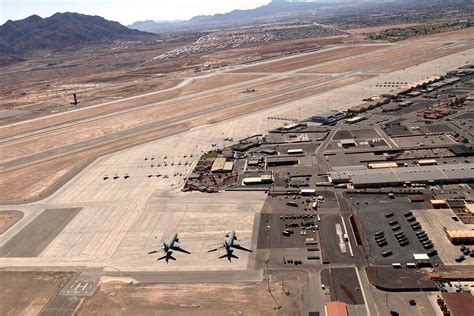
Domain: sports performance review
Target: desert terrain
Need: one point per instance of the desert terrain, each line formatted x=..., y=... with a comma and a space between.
x=287, y=291
x=133, y=208
x=44, y=151
x=98, y=185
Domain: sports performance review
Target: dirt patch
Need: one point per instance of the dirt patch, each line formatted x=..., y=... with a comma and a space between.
x=36, y=181
x=27, y=293
x=201, y=299
x=8, y=219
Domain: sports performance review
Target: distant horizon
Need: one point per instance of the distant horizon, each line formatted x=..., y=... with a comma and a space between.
x=122, y=11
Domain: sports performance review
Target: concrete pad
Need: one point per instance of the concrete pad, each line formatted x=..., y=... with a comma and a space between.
x=129, y=231
x=36, y=236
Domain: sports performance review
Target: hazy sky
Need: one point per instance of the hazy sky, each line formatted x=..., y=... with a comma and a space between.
x=124, y=11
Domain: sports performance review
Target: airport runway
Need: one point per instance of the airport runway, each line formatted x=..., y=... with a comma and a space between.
x=119, y=219
x=49, y=144
x=137, y=130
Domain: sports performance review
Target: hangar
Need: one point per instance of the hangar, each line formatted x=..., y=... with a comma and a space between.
x=452, y=173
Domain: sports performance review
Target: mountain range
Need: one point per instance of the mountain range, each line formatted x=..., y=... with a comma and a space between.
x=61, y=30
x=276, y=9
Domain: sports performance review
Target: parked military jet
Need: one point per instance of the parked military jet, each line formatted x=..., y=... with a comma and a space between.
x=230, y=245
x=168, y=247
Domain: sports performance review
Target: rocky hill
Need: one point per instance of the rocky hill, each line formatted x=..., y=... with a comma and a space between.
x=61, y=30
x=275, y=10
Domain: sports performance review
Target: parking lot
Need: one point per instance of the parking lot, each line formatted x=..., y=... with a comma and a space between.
x=290, y=223
x=297, y=204
x=297, y=228
x=433, y=221
x=385, y=223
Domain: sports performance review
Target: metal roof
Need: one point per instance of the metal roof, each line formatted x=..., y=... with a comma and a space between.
x=218, y=164
x=453, y=172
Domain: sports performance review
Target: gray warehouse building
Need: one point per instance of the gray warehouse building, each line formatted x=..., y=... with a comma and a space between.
x=328, y=117
x=363, y=178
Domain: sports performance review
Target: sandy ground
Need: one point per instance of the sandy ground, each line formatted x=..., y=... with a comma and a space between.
x=44, y=84
x=201, y=299
x=122, y=217
x=27, y=293
x=8, y=219
x=184, y=88
x=35, y=156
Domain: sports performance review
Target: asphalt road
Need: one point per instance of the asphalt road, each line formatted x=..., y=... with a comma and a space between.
x=38, y=234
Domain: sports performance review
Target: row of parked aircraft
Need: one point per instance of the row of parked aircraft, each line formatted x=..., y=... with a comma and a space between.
x=230, y=244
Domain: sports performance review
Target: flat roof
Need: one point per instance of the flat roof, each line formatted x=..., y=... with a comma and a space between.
x=352, y=167
x=427, y=161
x=421, y=256
x=355, y=119
x=347, y=141
x=453, y=172
x=470, y=207
x=459, y=304
x=416, y=197
x=291, y=126
x=336, y=309
x=462, y=150
x=252, y=180
x=218, y=164
x=438, y=202
x=375, y=165
x=328, y=114
x=460, y=233
x=228, y=166
x=282, y=158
